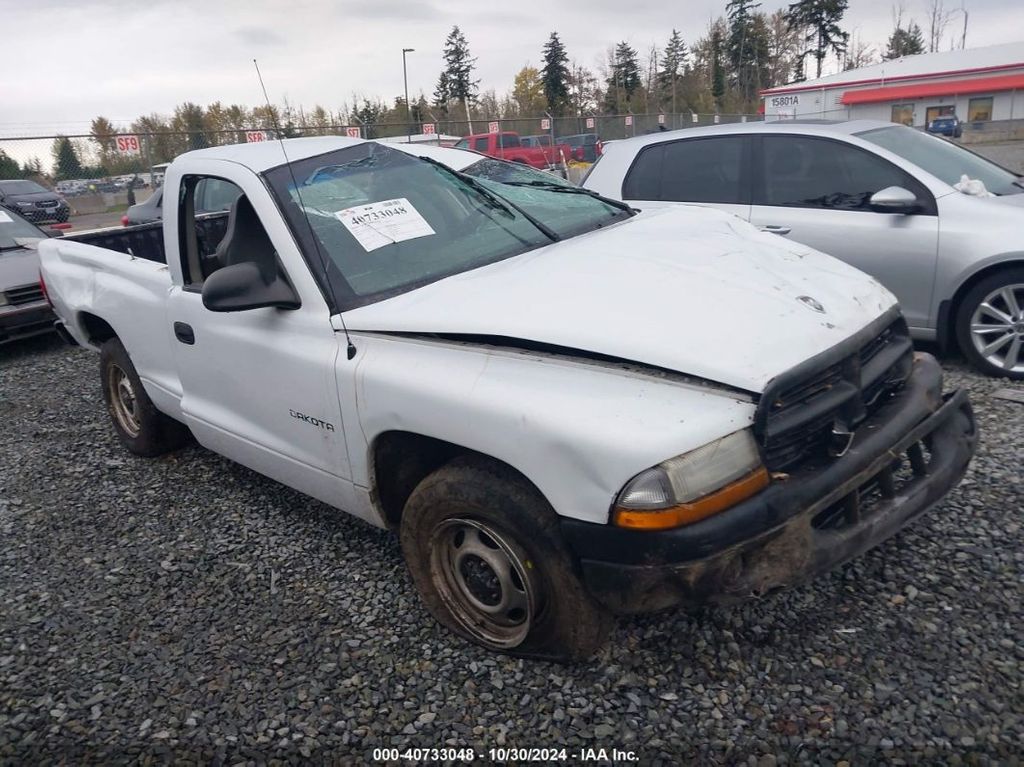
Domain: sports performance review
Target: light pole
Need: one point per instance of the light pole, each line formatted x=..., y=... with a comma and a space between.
x=405, y=80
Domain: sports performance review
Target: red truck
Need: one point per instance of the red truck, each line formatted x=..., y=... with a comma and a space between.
x=508, y=146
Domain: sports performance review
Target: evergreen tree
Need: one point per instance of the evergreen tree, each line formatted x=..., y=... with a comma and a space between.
x=555, y=74
x=623, y=78
x=9, y=166
x=819, y=21
x=66, y=164
x=458, y=70
x=441, y=95
x=905, y=42
x=747, y=47
x=717, y=68
x=368, y=115
x=673, y=65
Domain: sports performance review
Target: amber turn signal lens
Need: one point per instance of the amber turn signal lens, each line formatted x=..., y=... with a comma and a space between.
x=694, y=511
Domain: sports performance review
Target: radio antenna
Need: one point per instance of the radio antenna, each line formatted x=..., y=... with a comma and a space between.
x=351, y=347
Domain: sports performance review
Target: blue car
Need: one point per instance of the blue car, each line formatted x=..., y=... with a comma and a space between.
x=947, y=125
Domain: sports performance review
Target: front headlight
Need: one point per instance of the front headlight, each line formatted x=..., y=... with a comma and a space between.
x=693, y=486
x=25, y=204
x=3, y=299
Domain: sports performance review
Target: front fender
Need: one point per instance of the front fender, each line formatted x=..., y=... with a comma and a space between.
x=577, y=429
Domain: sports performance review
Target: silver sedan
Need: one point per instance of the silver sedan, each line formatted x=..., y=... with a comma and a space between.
x=940, y=226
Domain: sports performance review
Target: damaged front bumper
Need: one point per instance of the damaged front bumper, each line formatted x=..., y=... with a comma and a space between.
x=904, y=459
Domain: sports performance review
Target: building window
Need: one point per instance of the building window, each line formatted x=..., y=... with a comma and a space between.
x=903, y=114
x=979, y=109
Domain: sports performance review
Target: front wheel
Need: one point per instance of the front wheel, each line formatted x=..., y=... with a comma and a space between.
x=990, y=324
x=486, y=555
x=142, y=428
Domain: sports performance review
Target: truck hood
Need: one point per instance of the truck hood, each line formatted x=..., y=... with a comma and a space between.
x=687, y=289
x=18, y=267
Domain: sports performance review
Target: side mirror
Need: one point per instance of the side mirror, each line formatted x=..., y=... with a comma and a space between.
x=894, y=199
x=240, y=287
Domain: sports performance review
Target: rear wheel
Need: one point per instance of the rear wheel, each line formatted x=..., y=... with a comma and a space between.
x=990, y=324
x=486, y=555
x=142, y=428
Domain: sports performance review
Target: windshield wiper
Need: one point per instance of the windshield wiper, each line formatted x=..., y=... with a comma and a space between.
x=494, y=199
x=553, y=186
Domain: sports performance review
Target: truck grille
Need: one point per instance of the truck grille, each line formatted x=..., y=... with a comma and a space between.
x=26, y=294
x=810, y=414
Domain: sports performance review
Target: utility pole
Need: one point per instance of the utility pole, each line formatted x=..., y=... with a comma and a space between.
x=405, y=81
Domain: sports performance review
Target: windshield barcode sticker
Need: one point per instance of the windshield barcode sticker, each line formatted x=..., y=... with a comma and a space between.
x=384, y=223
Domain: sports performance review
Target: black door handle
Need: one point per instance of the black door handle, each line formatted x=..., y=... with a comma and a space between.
x=184, y=333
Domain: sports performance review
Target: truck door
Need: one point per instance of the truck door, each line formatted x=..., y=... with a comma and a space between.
x=258, y=386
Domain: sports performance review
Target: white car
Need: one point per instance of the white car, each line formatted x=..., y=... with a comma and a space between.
x=534, y=386
x=884, y=198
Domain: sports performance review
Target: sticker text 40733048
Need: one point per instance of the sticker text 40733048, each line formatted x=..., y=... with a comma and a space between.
x=384, y=223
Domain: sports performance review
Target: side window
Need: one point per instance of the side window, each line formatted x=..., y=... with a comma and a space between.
x=692, y=170
x=215, y=194
x=464, y=144
x=202, y=230
x=807, y=172
x=480, y=144
x=643, y=181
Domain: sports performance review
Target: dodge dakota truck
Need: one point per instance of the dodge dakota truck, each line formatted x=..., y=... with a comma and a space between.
x=566, y=408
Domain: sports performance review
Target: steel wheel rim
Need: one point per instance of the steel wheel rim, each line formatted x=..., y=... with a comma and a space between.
x=123, y=402
x=997, y=328
x=484, y=581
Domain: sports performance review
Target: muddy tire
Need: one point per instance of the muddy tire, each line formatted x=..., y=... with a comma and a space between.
x=990, y=324
x=486, y=554
x=142, y=428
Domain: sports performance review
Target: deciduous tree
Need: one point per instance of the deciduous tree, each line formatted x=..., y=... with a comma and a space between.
x=528, y=92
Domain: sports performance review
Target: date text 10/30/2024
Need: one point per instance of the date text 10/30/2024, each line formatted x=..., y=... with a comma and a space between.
x=503, y=754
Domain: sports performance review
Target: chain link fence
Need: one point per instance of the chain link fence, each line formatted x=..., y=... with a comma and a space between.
x=103, y=175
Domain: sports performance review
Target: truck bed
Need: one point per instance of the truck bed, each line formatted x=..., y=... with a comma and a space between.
x=146, y=241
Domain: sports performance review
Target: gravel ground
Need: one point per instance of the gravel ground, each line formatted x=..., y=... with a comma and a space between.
x=187, y=609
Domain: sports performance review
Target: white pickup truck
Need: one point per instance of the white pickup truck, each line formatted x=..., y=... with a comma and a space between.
x=567, y=408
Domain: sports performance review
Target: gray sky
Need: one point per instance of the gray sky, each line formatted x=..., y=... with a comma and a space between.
x=67, y=61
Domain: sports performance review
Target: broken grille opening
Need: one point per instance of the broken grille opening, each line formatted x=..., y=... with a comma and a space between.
x=800, y=414
x=24, y=295
x=892, y=481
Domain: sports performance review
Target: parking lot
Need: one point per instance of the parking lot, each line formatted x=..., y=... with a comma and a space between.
x=188, y=608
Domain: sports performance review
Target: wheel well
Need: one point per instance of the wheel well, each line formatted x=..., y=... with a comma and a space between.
x=96, y=328
x=948, y=330
x=402, y=459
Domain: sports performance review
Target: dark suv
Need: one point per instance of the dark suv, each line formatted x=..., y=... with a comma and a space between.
x=24, y=310
x=33, y=202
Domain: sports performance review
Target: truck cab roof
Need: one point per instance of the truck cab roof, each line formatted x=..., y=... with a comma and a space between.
x=264, y=155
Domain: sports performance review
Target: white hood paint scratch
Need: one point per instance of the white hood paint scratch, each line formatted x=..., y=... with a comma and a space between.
x=687, y=289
